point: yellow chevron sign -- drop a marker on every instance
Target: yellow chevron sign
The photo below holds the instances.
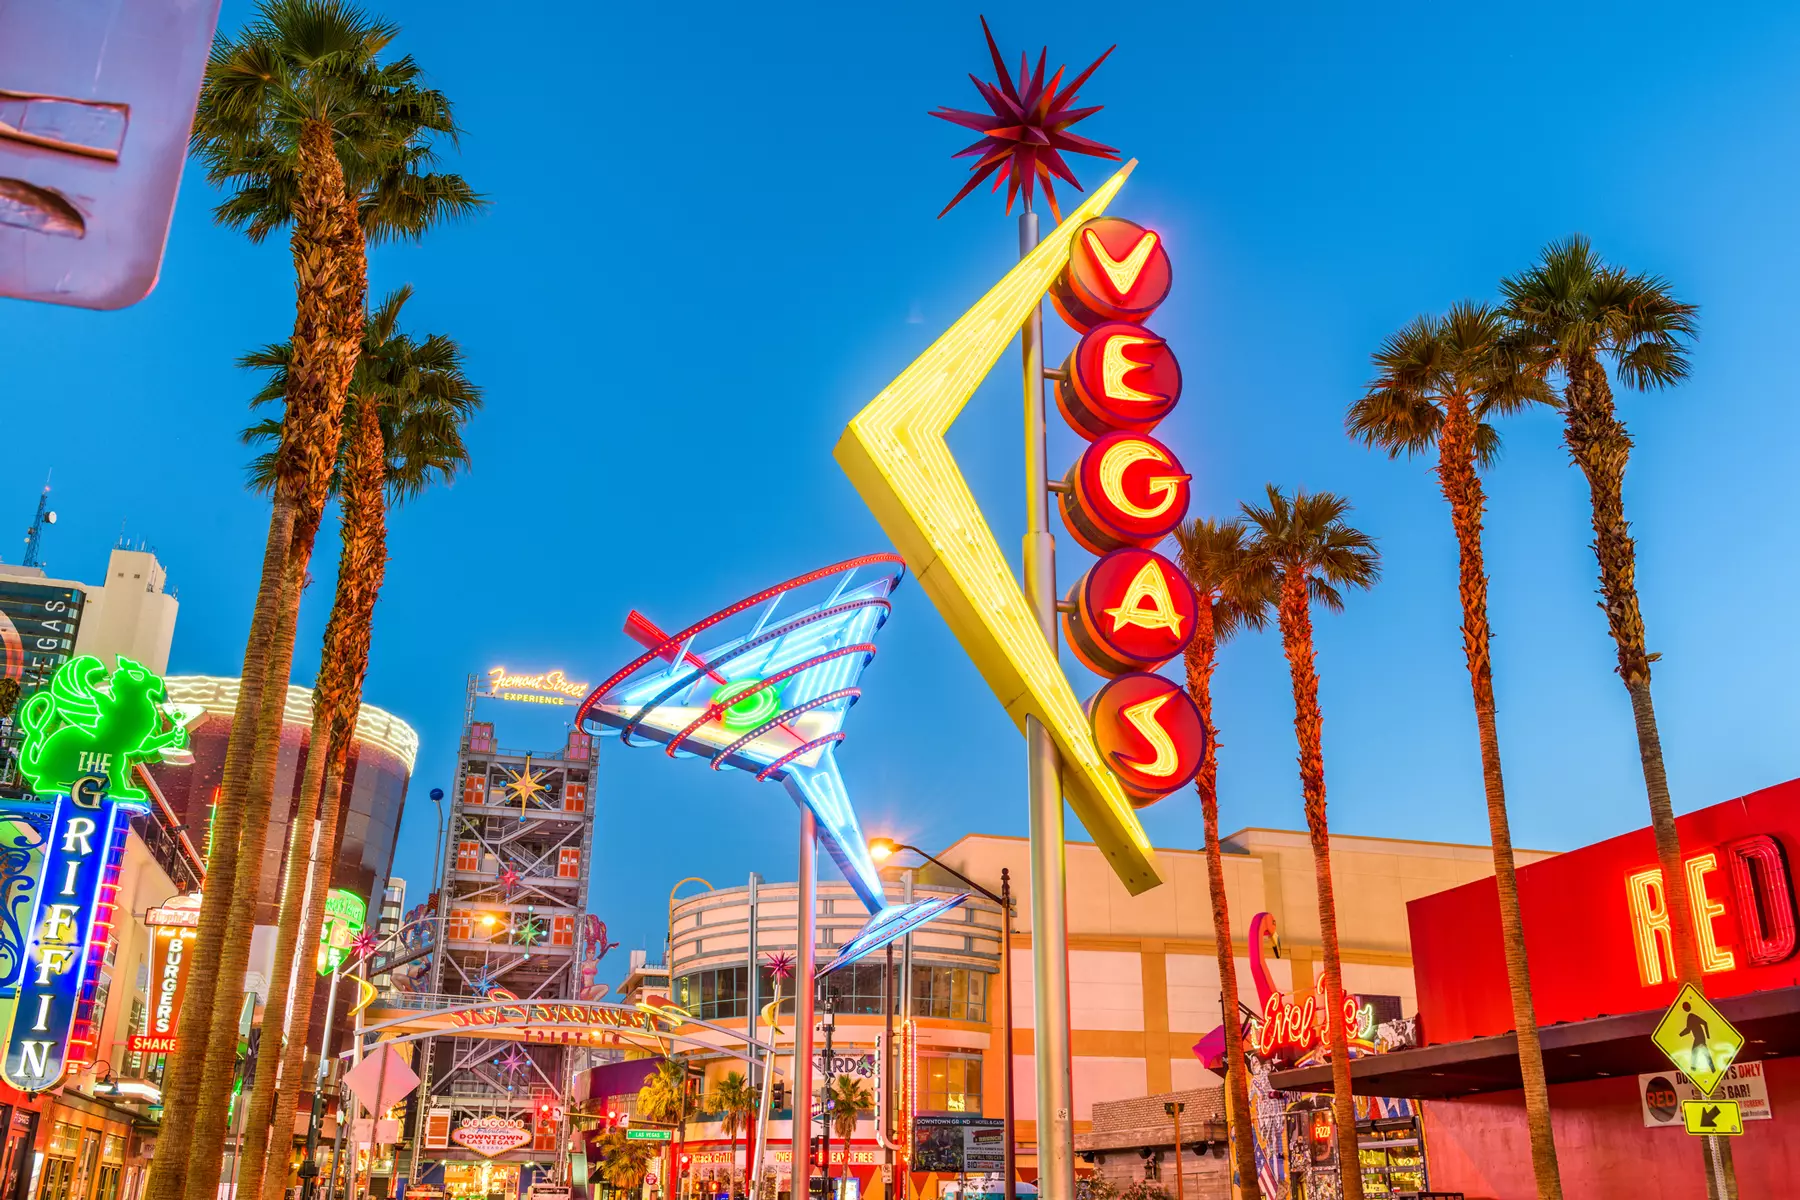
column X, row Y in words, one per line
column 895, row 455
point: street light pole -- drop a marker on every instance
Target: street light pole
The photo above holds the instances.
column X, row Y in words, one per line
column 806, row 898
column 883, row 848
column 309, row 1168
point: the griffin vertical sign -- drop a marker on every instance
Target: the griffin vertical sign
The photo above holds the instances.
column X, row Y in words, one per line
column 83, row 737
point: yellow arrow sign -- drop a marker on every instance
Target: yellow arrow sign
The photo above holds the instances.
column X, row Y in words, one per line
column 1706, row 1118
column 894, row 454
column 1698, row 1040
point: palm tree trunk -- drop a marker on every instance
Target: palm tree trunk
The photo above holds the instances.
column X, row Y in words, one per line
column 181, row 1083
column 1309, row 726
column 1202, row 657
column 1462, row 488
column 1600, row 446
column 311, row 846
column 302, row 848
column 206, row 1147
column 361, row 571
column 331, row 278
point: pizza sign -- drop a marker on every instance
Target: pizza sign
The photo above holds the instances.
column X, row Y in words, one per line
column 488, row 1136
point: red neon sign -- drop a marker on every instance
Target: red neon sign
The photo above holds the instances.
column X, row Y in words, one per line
column 1127, row 489
column 1134, row 610
column 1119, row 376
column 1118, row 271
column 1287, row 1027
column 1150, row 734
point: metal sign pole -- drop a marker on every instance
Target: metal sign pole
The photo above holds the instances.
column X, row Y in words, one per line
column 1049, row 904
column 806, row 893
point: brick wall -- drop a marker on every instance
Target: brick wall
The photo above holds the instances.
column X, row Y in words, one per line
column 1122, row 1128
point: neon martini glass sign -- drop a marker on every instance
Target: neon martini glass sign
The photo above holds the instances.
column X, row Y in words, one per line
column 766, row 692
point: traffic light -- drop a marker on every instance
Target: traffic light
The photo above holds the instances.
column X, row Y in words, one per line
column 686, row 1161
column 777, row 1096
column 817, row 1157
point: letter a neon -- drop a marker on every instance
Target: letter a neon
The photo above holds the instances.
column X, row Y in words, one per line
column 1147, row 603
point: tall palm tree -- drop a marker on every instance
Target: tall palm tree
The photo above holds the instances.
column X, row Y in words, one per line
column 1571, row 310
column 1305, row 553
column 1213, row 557
column 734, row 1100
column 304, row 125
column 1437, row 381
column 624, row 1163
column 848, row 1098
column 665, row 1098
column 408, row 401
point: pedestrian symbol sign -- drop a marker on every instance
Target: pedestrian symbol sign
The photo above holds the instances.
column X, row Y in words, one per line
column 1700, row 1042
column 1709, row 1117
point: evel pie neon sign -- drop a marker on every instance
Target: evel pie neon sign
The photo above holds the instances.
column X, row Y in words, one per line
column 1761, row 888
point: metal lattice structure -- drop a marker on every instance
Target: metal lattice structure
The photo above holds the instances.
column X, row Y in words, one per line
column 515, row 881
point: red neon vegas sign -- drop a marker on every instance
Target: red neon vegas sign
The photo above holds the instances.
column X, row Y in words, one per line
column 1134, row 610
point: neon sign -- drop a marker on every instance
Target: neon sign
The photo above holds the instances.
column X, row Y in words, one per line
column 1133, row 611
column 1119, row 376
column 488, row 1136
column 345, row 915
column 1762, row 894
column 1150, row 732
column 175, row 925
column 1127, row 489
column 1118, row 271
column 1287, row 1027
column 767, row 693
column 894, row 452
column 88, row 722
column 67, row 934
column 551, row 687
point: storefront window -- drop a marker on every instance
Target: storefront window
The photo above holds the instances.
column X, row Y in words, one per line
column 947, row 993
column 949, row 1083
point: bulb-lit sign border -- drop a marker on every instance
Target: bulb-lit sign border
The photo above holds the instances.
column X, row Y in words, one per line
column 895, row 455
column 490, row 1136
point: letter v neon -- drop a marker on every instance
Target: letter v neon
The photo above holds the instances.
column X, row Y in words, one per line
column 1123, row 273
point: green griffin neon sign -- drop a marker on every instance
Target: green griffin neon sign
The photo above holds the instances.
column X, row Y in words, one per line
column 88, row 722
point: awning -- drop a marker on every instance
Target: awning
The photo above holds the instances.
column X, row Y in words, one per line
column 1575, row 1051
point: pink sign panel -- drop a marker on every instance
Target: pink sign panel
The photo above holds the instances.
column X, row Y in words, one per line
column 96, row 103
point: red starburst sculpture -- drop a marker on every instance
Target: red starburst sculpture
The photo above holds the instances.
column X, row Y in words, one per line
column 781, row 965
column 1027, row 133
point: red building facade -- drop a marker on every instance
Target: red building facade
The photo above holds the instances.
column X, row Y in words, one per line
column 1598, row 937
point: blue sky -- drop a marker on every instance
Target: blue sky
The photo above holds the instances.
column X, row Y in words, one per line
column 712, row 240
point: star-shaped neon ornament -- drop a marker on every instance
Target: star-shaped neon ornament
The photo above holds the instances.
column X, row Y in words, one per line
column 525, row 784
column 1026, row 131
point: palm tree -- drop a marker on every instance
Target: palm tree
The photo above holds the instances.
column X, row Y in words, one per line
column 1437, row 381
column 304, row 126
column 408, row 401
column 1213, row 558
column 734, row 1100
column 1571, row 310
column 664, row 1098
column 624, row 1163
column 1303, row 552
column 848, row 1098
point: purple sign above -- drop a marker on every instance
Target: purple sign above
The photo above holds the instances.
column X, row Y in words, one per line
column 96, row 101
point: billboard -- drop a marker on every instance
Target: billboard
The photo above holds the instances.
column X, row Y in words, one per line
column 37, row 630
column 38, row 622
column 959, row 1145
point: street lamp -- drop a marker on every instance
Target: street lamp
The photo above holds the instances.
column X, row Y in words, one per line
column 882, row 849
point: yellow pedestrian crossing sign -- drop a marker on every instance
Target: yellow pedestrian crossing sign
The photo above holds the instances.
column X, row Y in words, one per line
column 1701, row 1043
column 1706, row 1118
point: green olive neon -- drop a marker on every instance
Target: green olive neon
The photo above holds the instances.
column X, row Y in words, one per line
column 752, row 710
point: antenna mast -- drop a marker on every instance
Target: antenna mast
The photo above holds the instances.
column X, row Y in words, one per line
column 44, row 517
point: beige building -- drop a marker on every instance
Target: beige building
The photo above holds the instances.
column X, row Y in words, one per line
column 131, row 613
column 1144, row 979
